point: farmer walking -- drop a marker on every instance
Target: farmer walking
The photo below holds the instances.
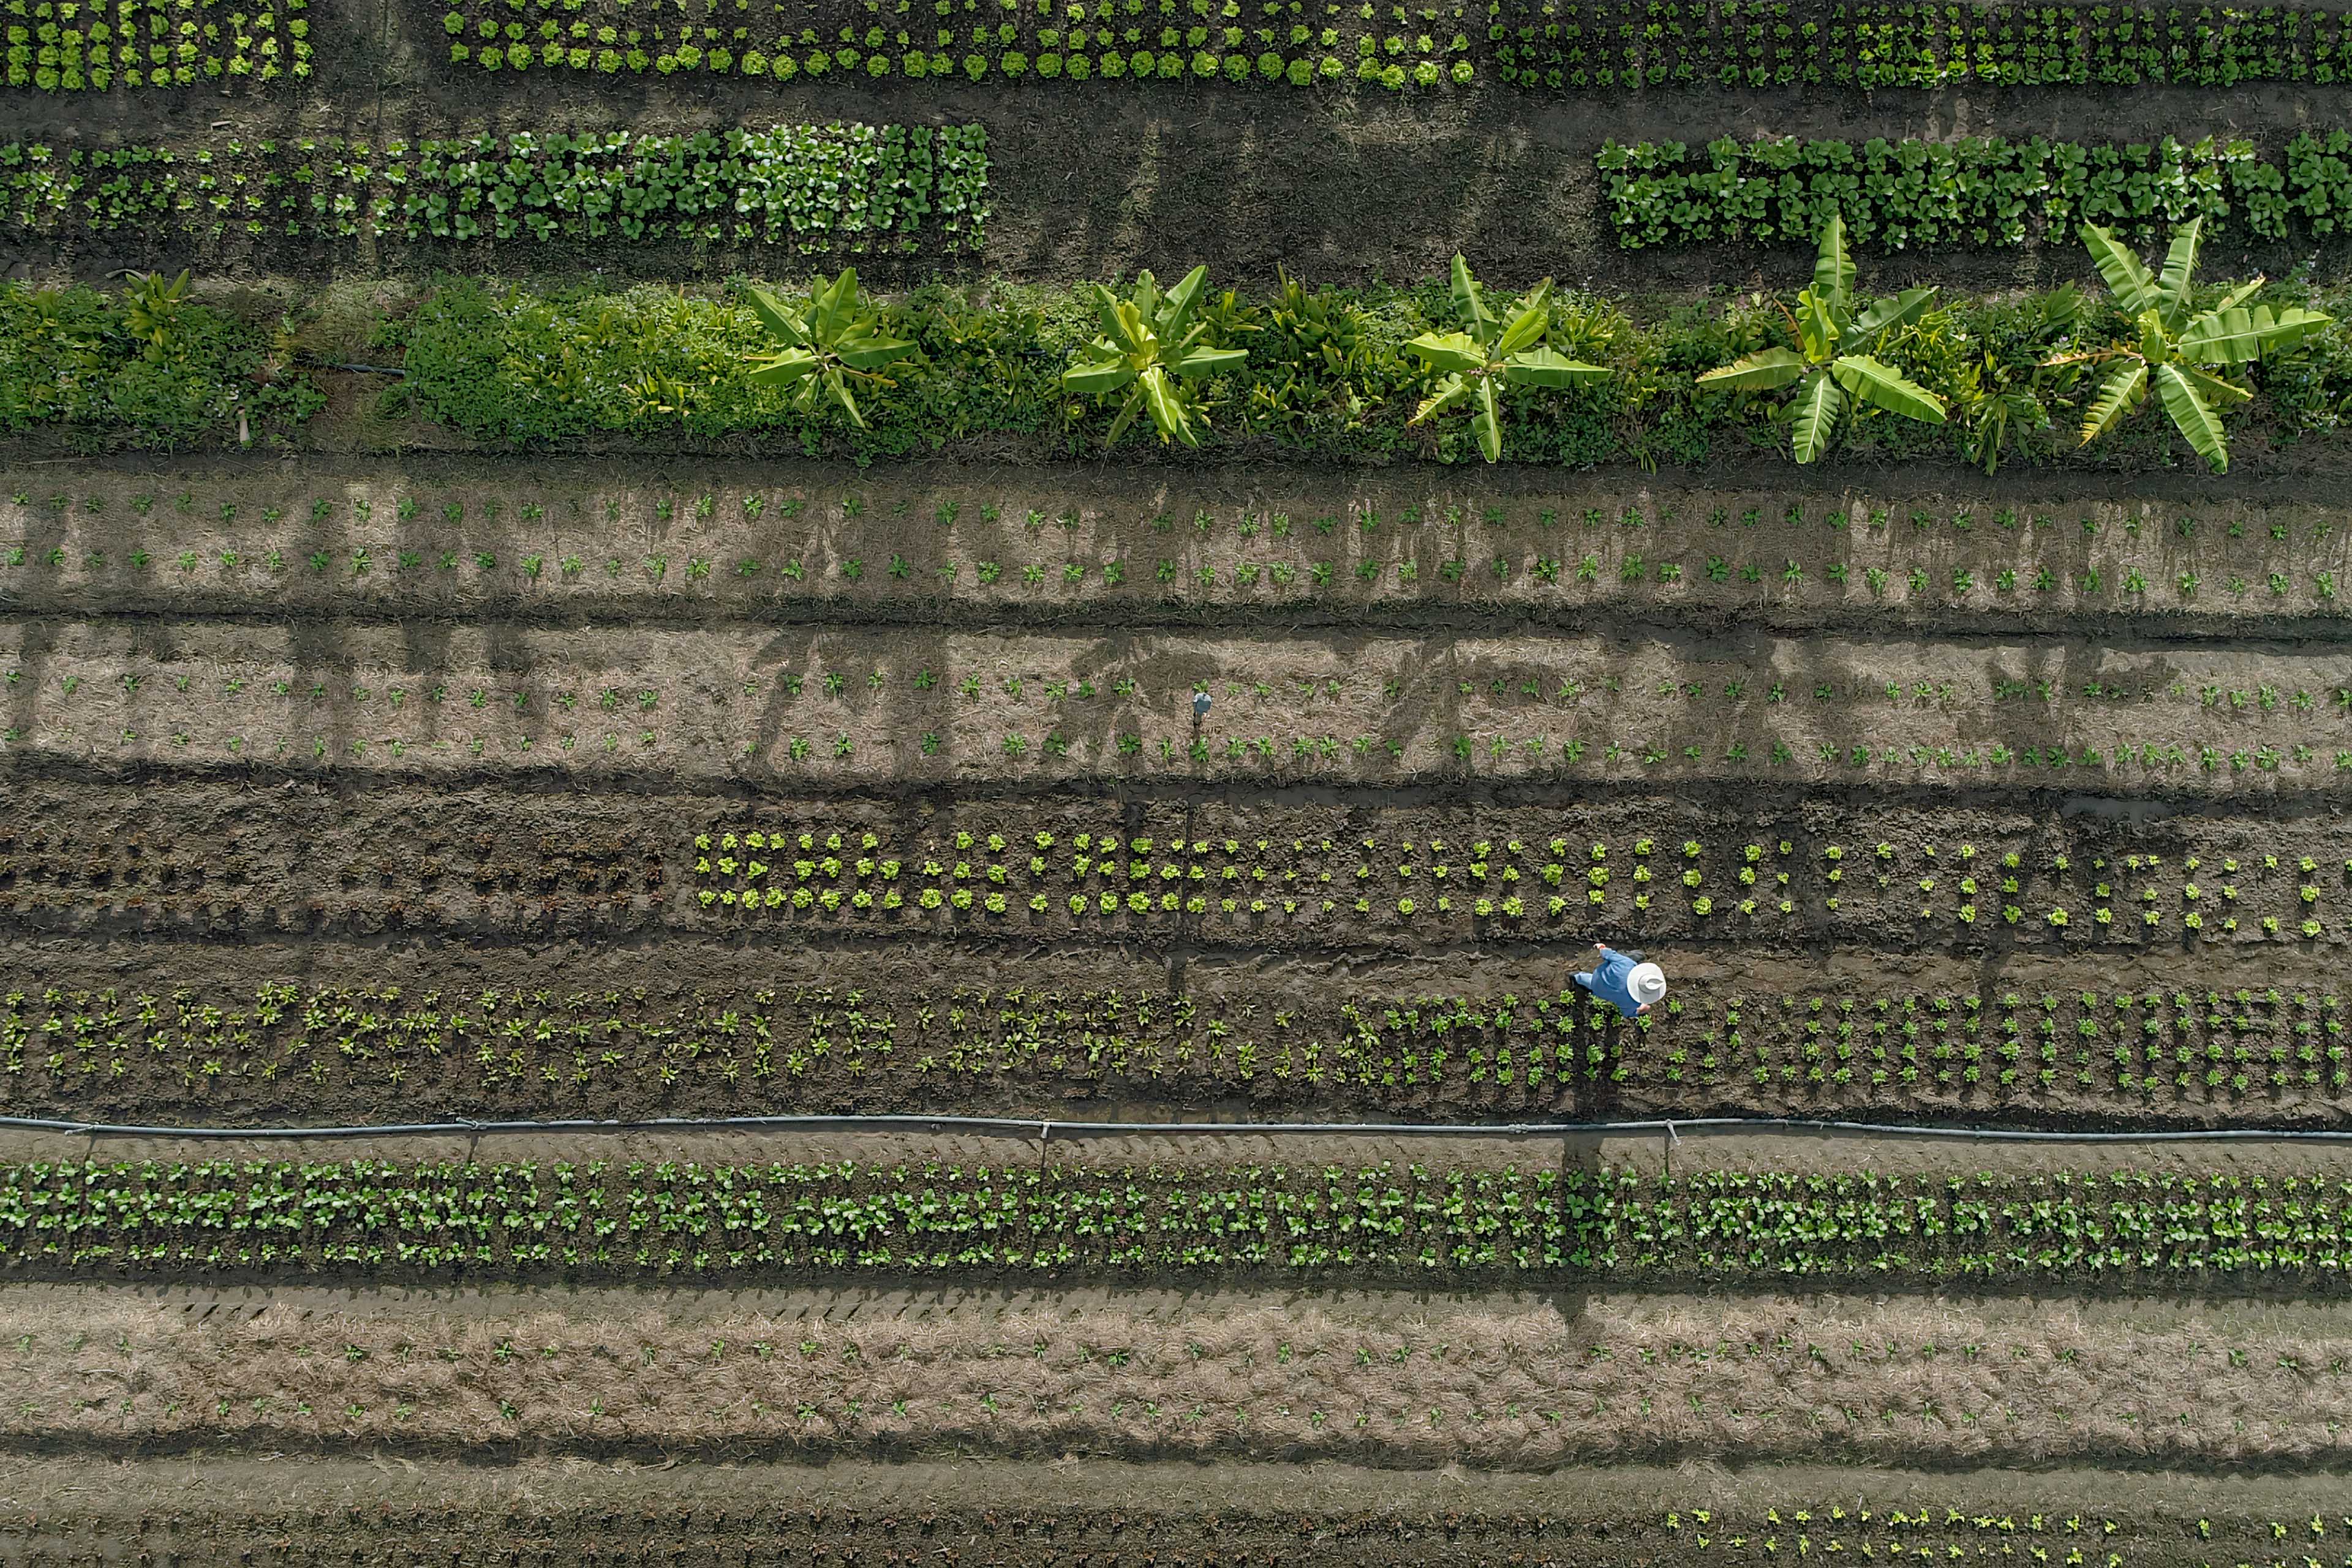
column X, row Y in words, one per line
column 1632, row 986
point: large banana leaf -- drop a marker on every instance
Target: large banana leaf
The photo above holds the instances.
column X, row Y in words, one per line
column 2195, row 418
column 1169, row 320
column 862, row 351
column 1899, row 311
column 1115, row 315
column 1760, row 372
column 1454, row 353
column 2240, row 336
column 1881, row 385
column 1834, row 266
column 1528, row 327
column 1208, row 362
column 1549, row 367
column 784, row 367
column 2177, row 288
column 1487, row 421
column 2217, row 392
column 1814, row 417
column 839, row 387
column 1166, row 406
column 1819, row 328
column 1454, row 389
column 2127, row 277
column 2119, row 396
column 1099, row 375
column 781, row 320
column 835, row 307
column 1470, row 303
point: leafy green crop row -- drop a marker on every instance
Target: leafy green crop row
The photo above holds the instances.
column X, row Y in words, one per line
column 481, row 1052
column 1556, row 43
column 1873, row 44
column 70, row 46
column 815, row 188
column 2157, row 1230
column 1980, row 191
column 1298, row 42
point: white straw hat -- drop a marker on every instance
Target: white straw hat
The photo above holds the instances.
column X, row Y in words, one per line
column 1647, row 983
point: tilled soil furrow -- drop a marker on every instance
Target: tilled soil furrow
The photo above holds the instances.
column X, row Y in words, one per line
column 975, row 547
column 1918, row 1383
column 1077, row 1513
column 797, row 707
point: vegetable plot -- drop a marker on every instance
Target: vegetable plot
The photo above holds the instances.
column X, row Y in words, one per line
column 383, row 1221
column 313, row 1054
column 90, row 45
column 814, row 188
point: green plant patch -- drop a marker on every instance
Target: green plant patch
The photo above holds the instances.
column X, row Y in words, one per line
column 1876, row 44
column 145, row 365
column 1297, row 43
column 1976, row 191
column 77, row 45
column 816, row 189
column 2145, row 1228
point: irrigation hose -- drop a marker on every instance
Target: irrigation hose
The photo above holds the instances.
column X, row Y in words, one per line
column 1045, row 1129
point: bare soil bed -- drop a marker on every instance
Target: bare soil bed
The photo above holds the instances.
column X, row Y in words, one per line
column 610, row 1373
column 975, row 546
column 1088, row 1513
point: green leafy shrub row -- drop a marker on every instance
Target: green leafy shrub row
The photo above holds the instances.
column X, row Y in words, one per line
column 2155, row 1230
column 124, row 366
column 75, row 46
column 309, row 1052
column 1116, row 42
column 1980, row 191
column 1873, row 44
column 1603, row 45
column 1327, row 376
column 816, row 188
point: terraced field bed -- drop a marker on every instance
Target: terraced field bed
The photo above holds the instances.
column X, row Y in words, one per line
column 600, row 964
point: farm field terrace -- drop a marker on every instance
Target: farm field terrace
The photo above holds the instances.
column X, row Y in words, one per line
column 662, row 905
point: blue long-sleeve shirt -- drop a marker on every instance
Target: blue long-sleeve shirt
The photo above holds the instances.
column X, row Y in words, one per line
column 1610, row 982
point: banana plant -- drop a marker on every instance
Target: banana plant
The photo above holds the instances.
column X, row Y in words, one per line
column 1829, row 364
column 1489, row 352
column 826, row 347
column 1149, row 344
column 2180, row 349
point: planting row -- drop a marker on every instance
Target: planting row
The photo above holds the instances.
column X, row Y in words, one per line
column 376, row 1219
column 1049, row 1513
column 1877, row 44
column 81, row 856
column 1494, row 1389
column 878, row 706
column 375, row 544
column 70, row 45
column 1868, row 44
column 306, row 1054
column 1304, row 371
column 1973, row 191
column 815, row 188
